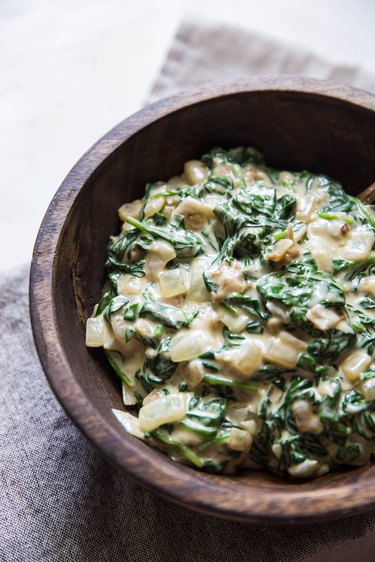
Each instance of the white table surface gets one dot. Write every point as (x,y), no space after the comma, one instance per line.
(72,69)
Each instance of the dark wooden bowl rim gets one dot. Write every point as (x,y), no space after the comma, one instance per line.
(181,485)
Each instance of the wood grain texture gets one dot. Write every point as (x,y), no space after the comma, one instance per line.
(299,124)
(368,194)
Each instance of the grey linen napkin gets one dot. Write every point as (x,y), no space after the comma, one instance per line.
(59,498)
(211,51)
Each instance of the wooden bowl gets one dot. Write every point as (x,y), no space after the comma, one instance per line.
(299,124)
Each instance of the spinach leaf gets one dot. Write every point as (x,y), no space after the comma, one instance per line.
(364,212)
(159,369)
(357,270)
(296,291)
(114,305)
(122,246)
(285,207)
(231,339)
(250,241)
(259,200)
(255,327)
(364,325)
(220,185)
(261,450)
(136,269)
(113,359)
(354,402)
(349,453)
(312,445)
(309,362)
(220,380)
(231,218)
(246,155)
(105,301)
(270,372)
(331,344)
(186,243)
(339,201)
(186,451)
(169,316)
(367,302)
(249,304)
(205,415)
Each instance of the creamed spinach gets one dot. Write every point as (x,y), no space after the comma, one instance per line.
(239,314)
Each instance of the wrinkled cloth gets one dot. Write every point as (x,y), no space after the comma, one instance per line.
(60,500)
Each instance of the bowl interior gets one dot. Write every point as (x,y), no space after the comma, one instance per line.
(297,130)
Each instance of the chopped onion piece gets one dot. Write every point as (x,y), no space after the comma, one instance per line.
(322,259)
(250,426)
(235,322)
(95,331)
(323,318)
(279,311)
(129,422)
(197,287)
(130,209)
(327,236)
(279,250)
(158,255)
(367,285)
(118,326)
(244,360)
(326,388)
(303,469)
(173,282)
(285,350)
(176,181)
(99,333)
(128,395)
(189,346)
(229,279)
(369,389)
(239,440)
(305,418)
(129,285)
(195,171)
(359,246)
(287,176)
(354,365)
(154,205)
(154,395)
(195,213)
(306,207)
(324,228)
(145,328)
(277,450)
(167,409)
(194,373)
(186,437)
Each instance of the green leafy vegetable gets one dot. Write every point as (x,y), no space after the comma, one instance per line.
(204,415)
(308,418)
(186,243)
(169,316)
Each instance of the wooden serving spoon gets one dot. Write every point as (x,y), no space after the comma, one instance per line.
(368,194)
